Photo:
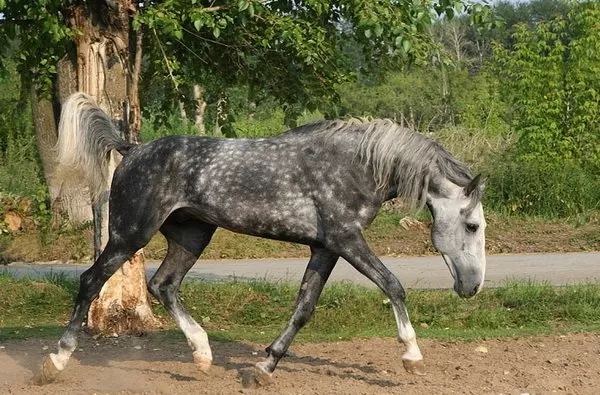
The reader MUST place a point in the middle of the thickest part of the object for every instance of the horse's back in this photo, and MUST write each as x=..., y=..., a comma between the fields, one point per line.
x=275, y=187
x=255, y=186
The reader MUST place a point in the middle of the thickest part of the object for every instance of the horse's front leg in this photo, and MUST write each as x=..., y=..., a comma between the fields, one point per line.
x=412, y=359
x=356, y=251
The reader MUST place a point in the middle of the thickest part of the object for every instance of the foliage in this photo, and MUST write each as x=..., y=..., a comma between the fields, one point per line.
x=514, y=14
x=551, y=80
x=170, y=125
x=268, y=126
x=541, y=188
x=15, y=115
x=19, y=165
x=290, y=50
x=429, y=99
x=38, y=29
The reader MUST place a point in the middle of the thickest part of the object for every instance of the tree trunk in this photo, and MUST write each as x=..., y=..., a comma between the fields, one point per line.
x=69, y=199
x=200, y=105
x=103, y=71
x=182, y=112
x=220, y=115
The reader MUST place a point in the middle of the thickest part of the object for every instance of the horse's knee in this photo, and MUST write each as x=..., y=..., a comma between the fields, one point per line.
x=396, y=290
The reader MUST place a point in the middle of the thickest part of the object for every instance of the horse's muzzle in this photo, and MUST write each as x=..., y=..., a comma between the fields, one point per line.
x=466, y=291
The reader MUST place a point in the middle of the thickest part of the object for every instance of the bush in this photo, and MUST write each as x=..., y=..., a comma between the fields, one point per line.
x=173, y=125
x=20, y=171
x=543, y=189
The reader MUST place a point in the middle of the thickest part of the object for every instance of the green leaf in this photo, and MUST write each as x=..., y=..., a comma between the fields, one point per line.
x=216, y=32
x=243, y=5
x=398, y=42
x=198, y=23
x=378, y=30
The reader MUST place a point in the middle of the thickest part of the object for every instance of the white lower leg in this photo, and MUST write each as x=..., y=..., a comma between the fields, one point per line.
x=198, y=341
x=66, y=346
x=407, y=335
x=60, y=360
x=53, y=364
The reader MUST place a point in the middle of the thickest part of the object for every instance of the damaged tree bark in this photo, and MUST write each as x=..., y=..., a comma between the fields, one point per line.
x=104, y=71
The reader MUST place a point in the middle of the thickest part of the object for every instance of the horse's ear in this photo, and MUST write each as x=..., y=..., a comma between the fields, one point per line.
x=478, y=181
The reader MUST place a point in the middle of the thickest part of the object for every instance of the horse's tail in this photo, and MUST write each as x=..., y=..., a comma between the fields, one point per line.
x=86, y=137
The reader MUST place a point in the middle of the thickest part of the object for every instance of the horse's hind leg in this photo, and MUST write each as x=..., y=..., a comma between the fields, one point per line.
x=322, y=262
x=92, y=280
x=186, y=241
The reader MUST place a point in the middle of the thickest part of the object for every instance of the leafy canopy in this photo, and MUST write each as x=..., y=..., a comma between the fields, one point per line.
x=295, y=51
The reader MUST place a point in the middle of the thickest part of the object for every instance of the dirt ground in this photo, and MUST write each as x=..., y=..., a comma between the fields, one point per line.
x=564, y=364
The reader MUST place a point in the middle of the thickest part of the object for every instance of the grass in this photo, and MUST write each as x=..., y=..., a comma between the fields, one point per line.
x=258, y=310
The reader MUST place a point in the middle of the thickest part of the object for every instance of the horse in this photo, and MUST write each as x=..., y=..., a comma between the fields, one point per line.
x=320, y=185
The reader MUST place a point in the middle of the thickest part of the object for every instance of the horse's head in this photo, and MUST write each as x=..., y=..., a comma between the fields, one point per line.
x=458, y=232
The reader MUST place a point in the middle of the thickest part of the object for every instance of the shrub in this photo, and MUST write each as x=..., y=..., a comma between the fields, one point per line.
x=541, y=188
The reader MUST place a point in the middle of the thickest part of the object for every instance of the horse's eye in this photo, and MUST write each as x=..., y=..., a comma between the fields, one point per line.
x=472, y=228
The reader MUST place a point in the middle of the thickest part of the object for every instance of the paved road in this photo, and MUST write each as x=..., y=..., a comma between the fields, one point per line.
x=422, y=272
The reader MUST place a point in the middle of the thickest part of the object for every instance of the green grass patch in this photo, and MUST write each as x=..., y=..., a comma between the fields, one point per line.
x=258, y=310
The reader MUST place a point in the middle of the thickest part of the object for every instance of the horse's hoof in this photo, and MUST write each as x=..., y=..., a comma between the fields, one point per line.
x=414, y=367
x=48, y=371
x=203, y=362
x=261, y=376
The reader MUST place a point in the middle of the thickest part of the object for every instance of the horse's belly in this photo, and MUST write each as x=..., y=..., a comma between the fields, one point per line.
x=285, y=220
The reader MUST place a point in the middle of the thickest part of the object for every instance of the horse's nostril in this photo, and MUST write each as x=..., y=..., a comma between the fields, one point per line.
x=474, y=291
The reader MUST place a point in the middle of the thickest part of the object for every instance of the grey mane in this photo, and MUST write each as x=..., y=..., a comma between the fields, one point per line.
x=402, y=157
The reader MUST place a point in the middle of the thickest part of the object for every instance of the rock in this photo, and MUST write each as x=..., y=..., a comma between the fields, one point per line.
x=481, y=349
x=411, y=223
x=13, y=221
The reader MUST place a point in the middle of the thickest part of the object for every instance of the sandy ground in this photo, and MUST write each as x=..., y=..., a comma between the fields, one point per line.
x=564, y=364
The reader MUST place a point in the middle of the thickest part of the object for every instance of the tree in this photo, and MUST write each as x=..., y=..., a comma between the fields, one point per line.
x=529, y=13
x=550, y=76
x=291, y=50
x=84, y=46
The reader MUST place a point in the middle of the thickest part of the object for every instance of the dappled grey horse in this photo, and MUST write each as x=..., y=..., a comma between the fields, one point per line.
x=320, y=184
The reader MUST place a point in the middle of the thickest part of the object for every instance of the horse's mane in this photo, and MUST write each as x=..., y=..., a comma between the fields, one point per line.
x=387, y=147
